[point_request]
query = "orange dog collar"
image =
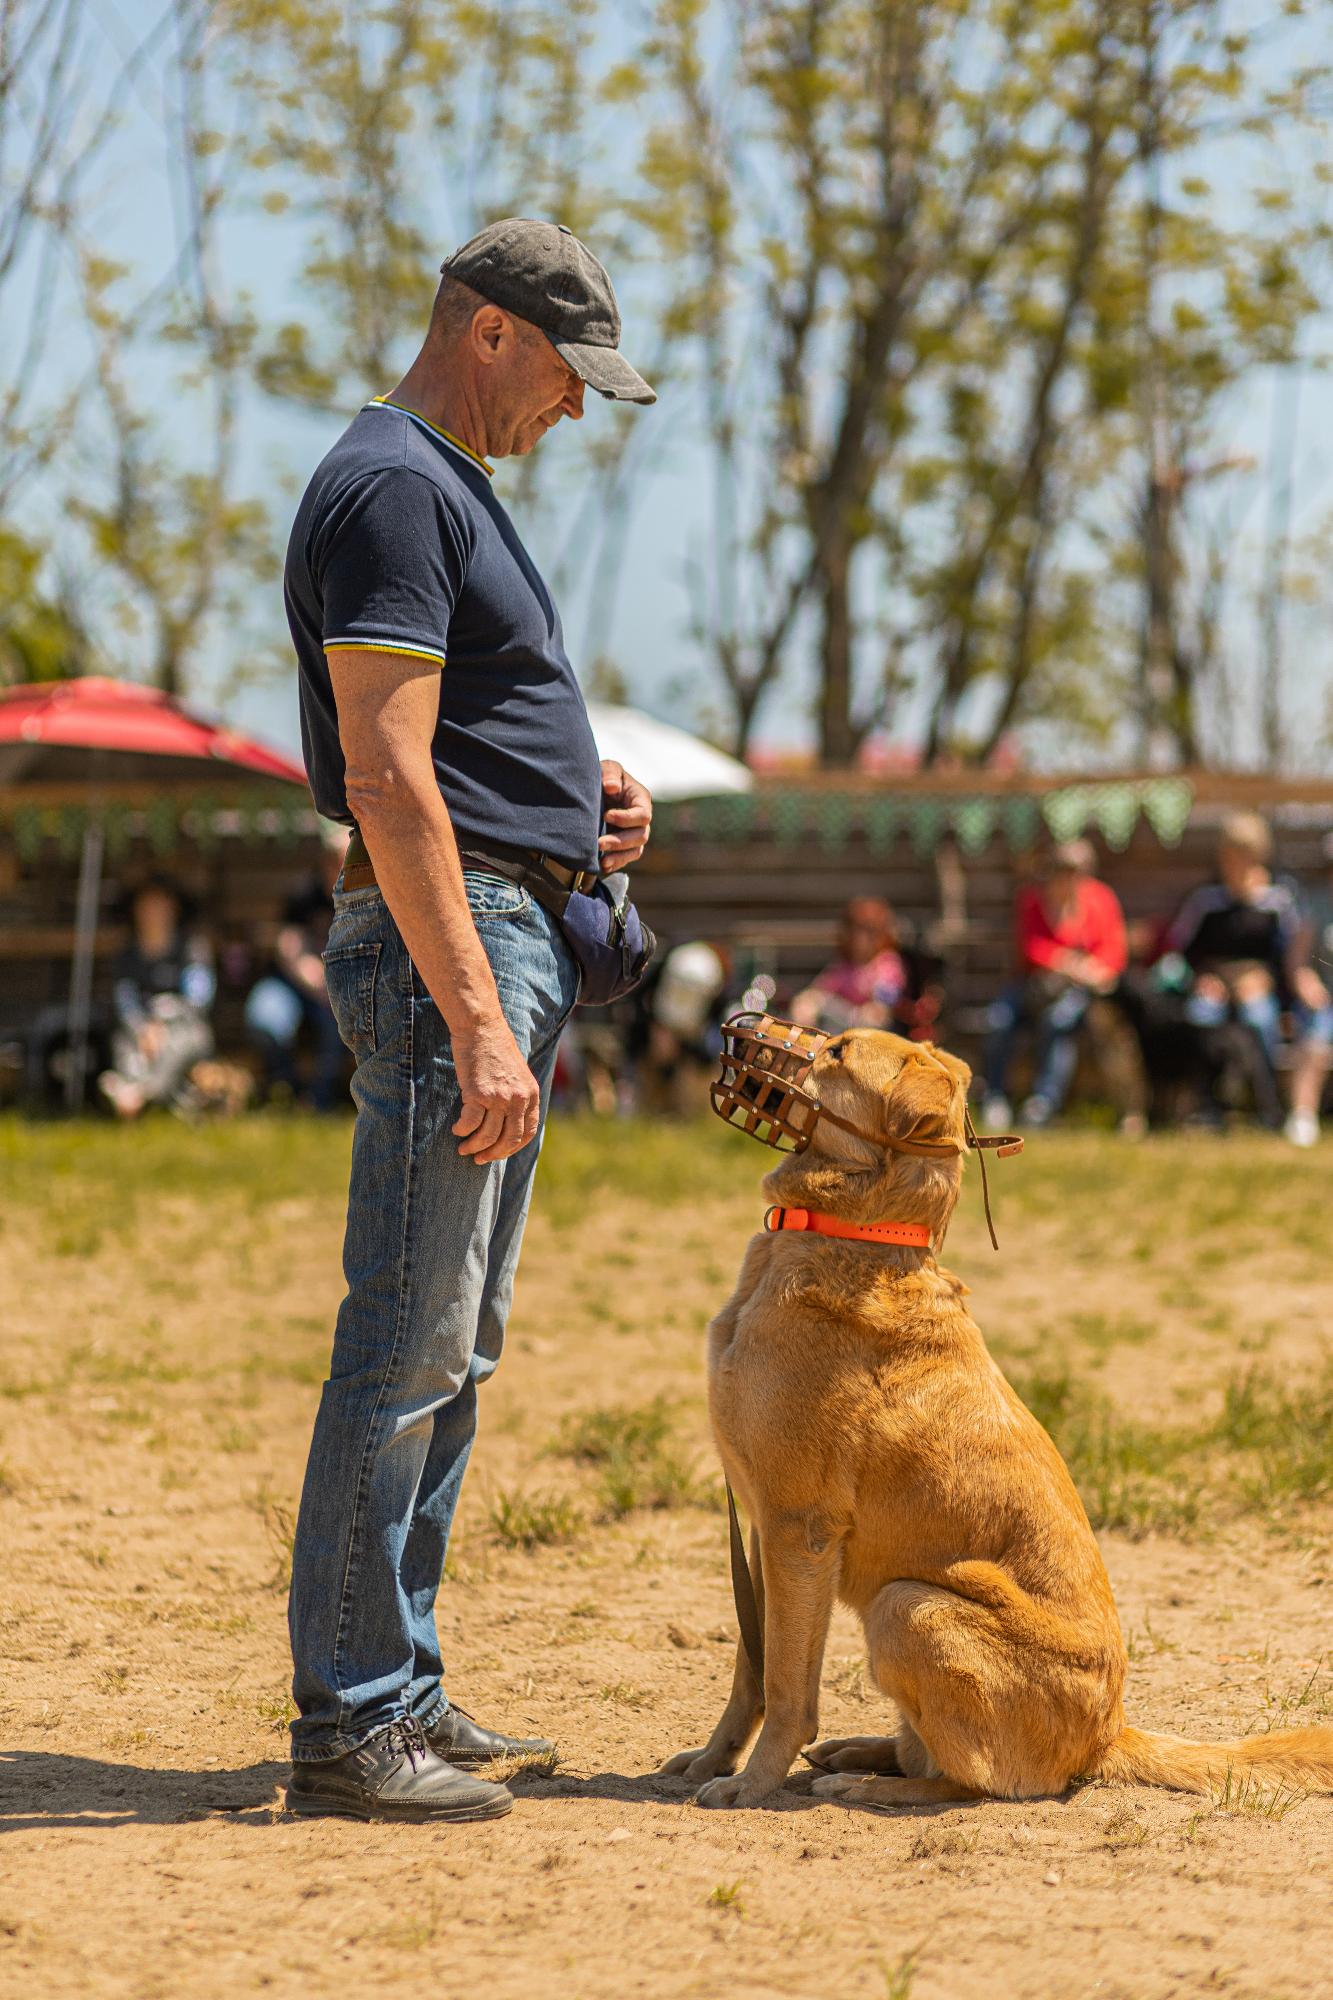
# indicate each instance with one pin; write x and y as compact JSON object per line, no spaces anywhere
{"x":907,"y":1235}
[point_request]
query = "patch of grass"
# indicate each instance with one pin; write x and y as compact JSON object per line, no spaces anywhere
{"x":954,"y":1840}
{"x":275,"y":1711}
{"x":1243,"y":1794}
{"x":534,"y":1520}
{"x":635,"y":1462}
{"x":727,"y":1896}
{"x":699,"y":1161}
{"x":898,"y":1977}
{"x":279,"y":1519}
{"x":1269,"y":1452}
{"x":1128,"y":1473}
{"x":1311,"y":1703}
{"x":624,"y":1694}
{"x":1123,"y":1828}
{"x":1104,"y":1331}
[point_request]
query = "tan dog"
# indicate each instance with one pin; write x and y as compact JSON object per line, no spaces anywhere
{"x":883,"y":1459}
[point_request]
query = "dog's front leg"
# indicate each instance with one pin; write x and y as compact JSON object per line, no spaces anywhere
{"x":801,"y":1555}
{"x":740,"y":1717}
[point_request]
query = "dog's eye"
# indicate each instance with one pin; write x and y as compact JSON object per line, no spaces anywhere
{"x":836,"y":1051}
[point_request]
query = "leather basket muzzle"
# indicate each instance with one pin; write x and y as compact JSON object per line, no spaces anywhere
{"x":758,"y":1088}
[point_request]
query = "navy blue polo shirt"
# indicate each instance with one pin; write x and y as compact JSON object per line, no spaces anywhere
{"x":400,"y":546}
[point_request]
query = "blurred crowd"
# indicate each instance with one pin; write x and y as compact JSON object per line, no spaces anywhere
{"x":1218,"y":1010}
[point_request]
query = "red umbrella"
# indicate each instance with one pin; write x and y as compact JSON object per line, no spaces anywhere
{"x":50,"y":729}
{"x":95,"y":732}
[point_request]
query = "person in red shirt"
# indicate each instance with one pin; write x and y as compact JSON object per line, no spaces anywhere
{"x":1070,"y":938}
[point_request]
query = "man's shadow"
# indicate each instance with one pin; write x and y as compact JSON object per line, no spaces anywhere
{"x":40,"y":1788}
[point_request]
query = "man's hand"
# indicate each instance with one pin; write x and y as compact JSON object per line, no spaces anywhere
{"x":501,"y":1098}
{"x":628,"y":812}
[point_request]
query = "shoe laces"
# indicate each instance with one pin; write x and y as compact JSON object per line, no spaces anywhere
{"x":408,"y":1738}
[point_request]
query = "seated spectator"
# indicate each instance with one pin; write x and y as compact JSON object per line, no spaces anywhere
{"x":163,"y":992}
{"x":864,"y":985}
{"x":1311,"y":976}
{"x":1231,"y":950}
{"x":1070,"y":938}
{"x":291,"y":997}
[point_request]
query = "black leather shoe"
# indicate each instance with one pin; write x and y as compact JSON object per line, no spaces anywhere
{"x":454,"y":1735}
{"x":394,"y":1774}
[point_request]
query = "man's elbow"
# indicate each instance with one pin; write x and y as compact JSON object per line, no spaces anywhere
{"x":379,"y":790}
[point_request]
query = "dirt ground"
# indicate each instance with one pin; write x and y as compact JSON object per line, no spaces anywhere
{"x":167,"y":1298}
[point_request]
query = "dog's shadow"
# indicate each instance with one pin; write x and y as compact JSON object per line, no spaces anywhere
{"x":795,"y":1795}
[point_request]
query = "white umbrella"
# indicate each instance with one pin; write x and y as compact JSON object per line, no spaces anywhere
{"x":669,"y":761}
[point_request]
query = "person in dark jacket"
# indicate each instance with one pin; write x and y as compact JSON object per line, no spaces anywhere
{"x":163,"y":994}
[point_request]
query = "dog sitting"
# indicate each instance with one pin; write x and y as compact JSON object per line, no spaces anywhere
{"x":883,"y":1460}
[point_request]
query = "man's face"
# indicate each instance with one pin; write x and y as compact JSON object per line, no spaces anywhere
{"x":533,"y":389}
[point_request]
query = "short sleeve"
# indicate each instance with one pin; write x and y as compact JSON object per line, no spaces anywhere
{"x":393,"y":567}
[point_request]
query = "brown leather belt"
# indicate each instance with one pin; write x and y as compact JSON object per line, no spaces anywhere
{"x":516,"y":864}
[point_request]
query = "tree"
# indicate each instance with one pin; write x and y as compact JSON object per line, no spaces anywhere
{"x":905,"y":233}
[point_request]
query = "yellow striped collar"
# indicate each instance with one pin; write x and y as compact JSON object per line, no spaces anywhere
{"x":384,"y":403}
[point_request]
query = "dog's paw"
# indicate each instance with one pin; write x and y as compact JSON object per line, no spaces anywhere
{"x":694,"y":1766}
{"x":833,"y":1787}
{"x":734,"y":1792}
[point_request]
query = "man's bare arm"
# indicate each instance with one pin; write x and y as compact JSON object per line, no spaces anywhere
{"x":388,"y":705}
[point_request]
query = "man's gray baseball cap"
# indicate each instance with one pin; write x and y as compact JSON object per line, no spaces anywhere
{"x":540,"y":272}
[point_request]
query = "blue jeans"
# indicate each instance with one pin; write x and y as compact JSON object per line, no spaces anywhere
{"x":1057,"y":1022}
{"x":429,"y":1255}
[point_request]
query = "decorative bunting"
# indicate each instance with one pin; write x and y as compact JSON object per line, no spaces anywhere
{"x":1166,"y":807}
{"x":974,"y":822}
{"x":786,"y":816}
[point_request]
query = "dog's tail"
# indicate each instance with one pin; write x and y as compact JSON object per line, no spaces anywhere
{"x":1301,"y":1759}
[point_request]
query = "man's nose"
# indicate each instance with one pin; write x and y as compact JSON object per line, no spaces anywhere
{"x":573,"y":399}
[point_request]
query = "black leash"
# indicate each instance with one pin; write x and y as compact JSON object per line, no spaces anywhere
{"x":742,"y":1590}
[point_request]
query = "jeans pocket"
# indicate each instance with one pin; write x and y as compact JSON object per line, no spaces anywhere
{"x":493,"y":896}
{"x":349,"y":976}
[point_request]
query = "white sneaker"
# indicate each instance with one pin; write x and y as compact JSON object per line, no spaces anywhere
{"x":997,"y":1114}
{"x":1302,"y":1128}
{"x":1037,"y":1111}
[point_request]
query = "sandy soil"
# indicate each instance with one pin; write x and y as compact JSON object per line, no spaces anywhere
{"x":160,"y":1376}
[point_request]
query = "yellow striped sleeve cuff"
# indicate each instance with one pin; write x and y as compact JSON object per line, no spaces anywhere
{"x":431,"y":653}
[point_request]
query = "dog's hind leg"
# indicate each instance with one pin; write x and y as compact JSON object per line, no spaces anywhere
{"x":992,"y":1705}
{"x":740,"y":1717}
{"x":901,"y":1756}
{"x":857,"y":1753}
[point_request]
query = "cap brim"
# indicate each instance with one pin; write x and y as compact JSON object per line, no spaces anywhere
{"x":606,"y":370}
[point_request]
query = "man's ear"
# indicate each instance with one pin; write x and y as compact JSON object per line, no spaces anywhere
{"x":489,"y":327}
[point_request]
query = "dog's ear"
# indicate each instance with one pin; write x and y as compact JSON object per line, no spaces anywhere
{"x":930,"y":1095}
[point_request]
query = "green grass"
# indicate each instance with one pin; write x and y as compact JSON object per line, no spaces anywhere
{"x":635,"y":1461}
{"x":1178,"y":1216}
{"x":534,"y":1520}
{"x":1268,"y":1452}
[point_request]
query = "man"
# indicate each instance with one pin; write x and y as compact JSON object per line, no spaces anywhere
{"x":441,"y":717}
{"x":1070,"y":938}
{"x":1234,"y":946}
